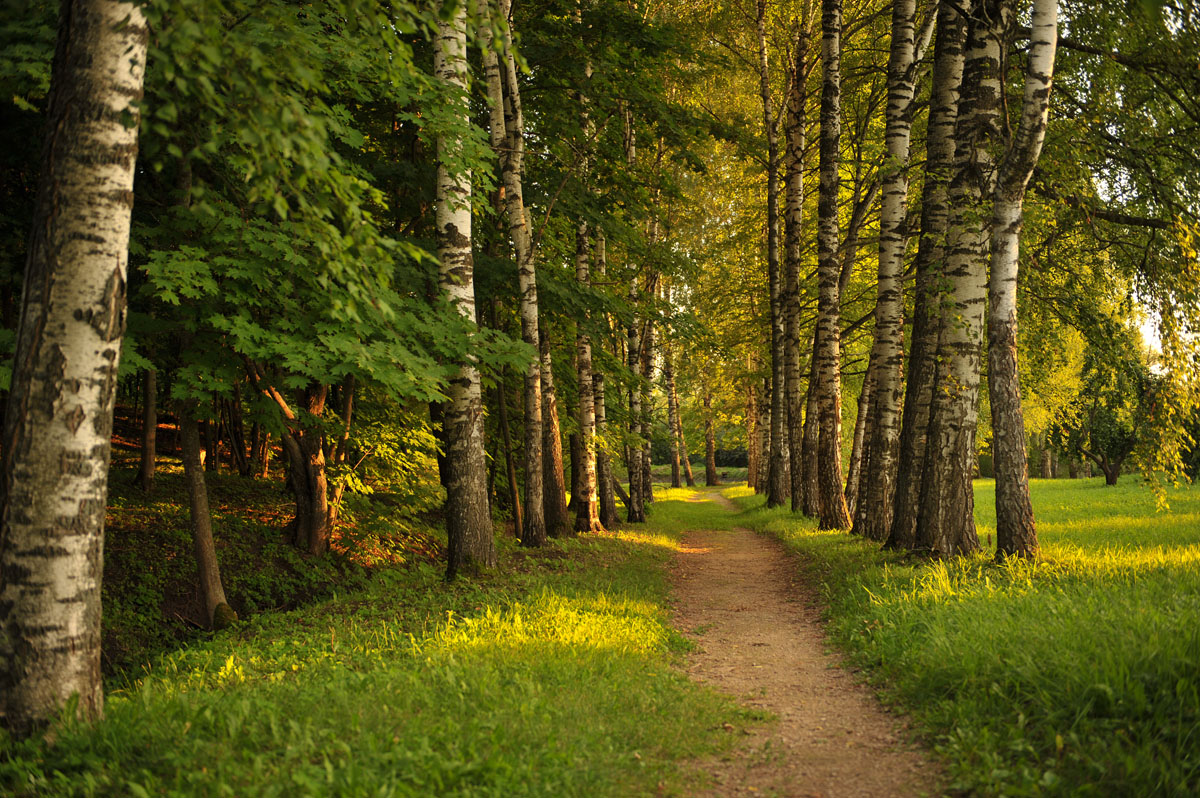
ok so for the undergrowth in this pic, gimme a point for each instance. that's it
(554, 675)
(1073, 675)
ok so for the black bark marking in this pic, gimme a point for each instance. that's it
(75, 418)
(109, 321)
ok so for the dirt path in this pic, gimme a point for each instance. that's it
(754, 621)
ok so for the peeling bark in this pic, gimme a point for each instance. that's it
(58, 422)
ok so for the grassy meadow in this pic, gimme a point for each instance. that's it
(1075, 675)
(553, 676)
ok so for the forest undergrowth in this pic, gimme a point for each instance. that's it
(554, 675)
(1072, 675)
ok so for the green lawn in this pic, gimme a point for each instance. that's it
(554, 676)
(1076, 675)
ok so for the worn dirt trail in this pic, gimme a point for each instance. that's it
(738, 595)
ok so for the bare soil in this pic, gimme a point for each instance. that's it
(756, 624)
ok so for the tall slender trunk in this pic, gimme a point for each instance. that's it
(946, 525)
(633, 459)
(588, 517)
(873, 516)
(832, 502)
(554, 497)
(764, 437)
(1016, 534)
(510, 463)
(859, 448)
(929, 314)
(672, 417)
(776, 486)
(647, 411)
(812, 434)
(507, 127)
(710, 442)
(752, 459)
(149, 429)
(604, 476)
(468, 517)
(58, 422)
(218, 612)
(793, 226)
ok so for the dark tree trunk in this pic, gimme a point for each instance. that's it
(218, 612)
(510, 464)
(558, 520)
(859, 449)
(149, 430)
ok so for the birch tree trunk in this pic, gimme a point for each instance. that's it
(946, 526)
(468, 517)
(752, 459)
(587, 518)
(1016, 535)
(928, 313)
(794, 128)
(710, 443)
(149, 430)
(832, 502)
(668, 369)
(647, 412)
(219, 614)
(633, 459)
(812, 436)
(507, 128)
(777, 481)
(604, 476)
(873, 515)
(859, 449)
(58, 422)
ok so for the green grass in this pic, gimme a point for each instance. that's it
(555, 675)
(1075, 675)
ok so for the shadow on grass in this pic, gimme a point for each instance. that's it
(553, 678)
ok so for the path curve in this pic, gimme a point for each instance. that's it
(755, 622)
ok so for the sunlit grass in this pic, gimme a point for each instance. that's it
(1076, 674)
(554, 676)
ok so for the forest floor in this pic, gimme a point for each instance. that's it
(756, 626)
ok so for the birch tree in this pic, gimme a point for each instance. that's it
(928, 313)
(468, 514)
(507, 127)
(832, 502)
(58, 421)
(795, 138)
(873, 506)
(946, 523)
(777, 486)
(1015, 531)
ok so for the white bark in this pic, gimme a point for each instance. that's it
(833, 511)
(946, 525)
(506, 125)
(59, 417)
(873, 511)
(468, 517)
(1015, 531)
